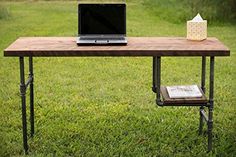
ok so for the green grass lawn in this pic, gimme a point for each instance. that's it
(105, 106)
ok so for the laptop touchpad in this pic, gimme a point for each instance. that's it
(102, 41)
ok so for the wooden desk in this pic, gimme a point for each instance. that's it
(155, 47)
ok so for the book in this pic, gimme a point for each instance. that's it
(190, 91)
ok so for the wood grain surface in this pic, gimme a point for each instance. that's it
(137, 46)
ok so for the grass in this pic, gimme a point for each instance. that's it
(212, 10)
(104, 106)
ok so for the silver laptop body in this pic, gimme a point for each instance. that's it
(102, 24)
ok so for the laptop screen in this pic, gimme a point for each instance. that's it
(102, 19)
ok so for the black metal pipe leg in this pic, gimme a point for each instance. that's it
(31, 75)
(201, 121)
(158, 87)
(211, 101)
(154, 74)
(203, 76)
(203, 80)
(23, 104)
(210, 127)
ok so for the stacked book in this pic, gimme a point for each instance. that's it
(190, 91)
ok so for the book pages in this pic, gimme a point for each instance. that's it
(190, 91)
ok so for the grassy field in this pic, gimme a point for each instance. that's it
(105, 106)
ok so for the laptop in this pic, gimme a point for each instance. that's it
(102, 24)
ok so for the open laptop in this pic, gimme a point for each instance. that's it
(102, 24)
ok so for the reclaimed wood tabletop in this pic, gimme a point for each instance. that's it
(137, 46)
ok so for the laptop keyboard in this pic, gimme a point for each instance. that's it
(105, 38)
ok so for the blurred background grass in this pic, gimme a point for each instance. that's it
(178, 10)
(105, 106)
(181, 10)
